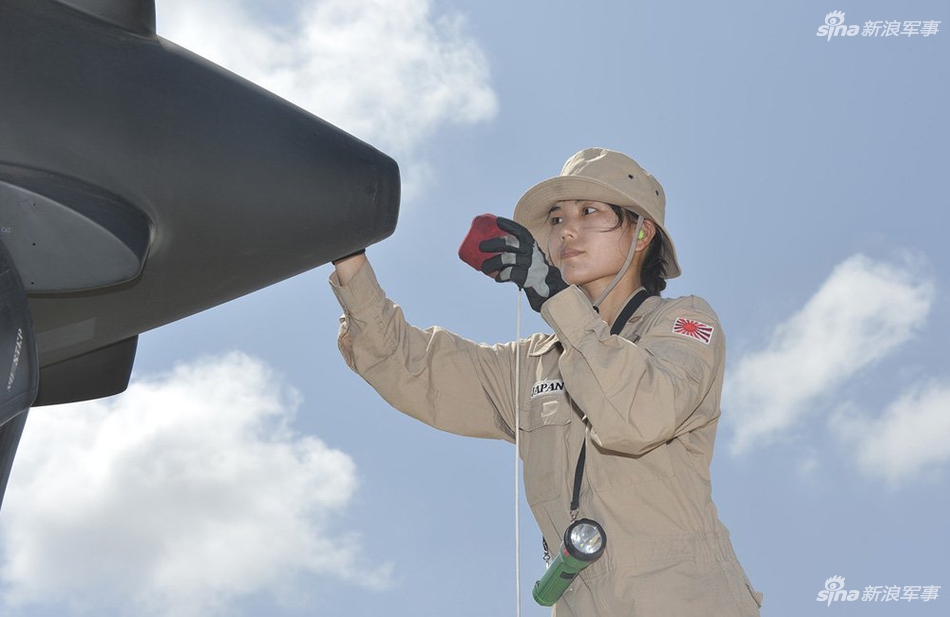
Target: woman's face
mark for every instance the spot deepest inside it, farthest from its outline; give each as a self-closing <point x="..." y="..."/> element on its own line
<point x="586" y="243"/>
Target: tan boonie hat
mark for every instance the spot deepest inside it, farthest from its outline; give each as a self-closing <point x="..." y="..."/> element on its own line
<point x="597" y="174"/>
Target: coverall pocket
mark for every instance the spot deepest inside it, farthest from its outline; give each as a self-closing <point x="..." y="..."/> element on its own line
<point x="612" y="470"/>
<point x="545" y="425"/>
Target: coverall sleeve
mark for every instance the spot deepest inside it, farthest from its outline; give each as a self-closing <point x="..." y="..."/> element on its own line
<point x="433" y="375"/>
<point x="639" y="395"/>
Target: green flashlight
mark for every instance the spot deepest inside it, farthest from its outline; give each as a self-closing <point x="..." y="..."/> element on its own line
<point x="584" y="543"/>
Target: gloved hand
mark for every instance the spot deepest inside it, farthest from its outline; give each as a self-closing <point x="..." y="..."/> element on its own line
<point x="484" y="226"/>
<point x="521" y="260"/>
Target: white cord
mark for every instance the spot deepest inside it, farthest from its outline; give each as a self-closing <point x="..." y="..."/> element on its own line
<point x="626" y="263"/>
<point x="518" y="460"/>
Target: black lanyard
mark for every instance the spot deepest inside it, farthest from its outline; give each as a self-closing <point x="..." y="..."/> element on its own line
<point x="617" y="326"/>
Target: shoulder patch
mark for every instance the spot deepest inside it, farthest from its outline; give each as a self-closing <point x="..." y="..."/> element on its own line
<point x="693" y="329"/>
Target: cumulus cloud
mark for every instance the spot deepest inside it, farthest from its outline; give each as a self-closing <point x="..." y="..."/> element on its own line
<point x="179" y="497"/>
<point x="860" y="314"/>
<point x="907" y="440"/>
<point x="387" y="71"/>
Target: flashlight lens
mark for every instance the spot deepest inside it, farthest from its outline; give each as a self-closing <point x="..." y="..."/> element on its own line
<point x="586" y="538"/>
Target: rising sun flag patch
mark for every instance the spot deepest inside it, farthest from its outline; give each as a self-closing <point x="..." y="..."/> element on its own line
<point x="693" y="329"/>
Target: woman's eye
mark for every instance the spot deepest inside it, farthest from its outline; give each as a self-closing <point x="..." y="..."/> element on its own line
<point x="555" y="220"/>
<point x="589" y="210"/>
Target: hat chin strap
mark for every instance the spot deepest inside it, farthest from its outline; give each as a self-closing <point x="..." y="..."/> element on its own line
<point x="626" y="264"/>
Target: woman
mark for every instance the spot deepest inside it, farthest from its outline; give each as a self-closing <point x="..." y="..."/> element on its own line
<point x="631" y="379"/>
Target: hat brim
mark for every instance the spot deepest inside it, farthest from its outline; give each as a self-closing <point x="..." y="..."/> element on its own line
<point x="533" y="208"/>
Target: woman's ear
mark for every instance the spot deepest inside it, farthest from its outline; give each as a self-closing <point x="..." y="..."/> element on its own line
<point x="646" y="235"/>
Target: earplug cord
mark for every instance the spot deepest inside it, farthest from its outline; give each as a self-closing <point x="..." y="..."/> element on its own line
<point x="517" y="390"/>
<point x="626" y="264"/>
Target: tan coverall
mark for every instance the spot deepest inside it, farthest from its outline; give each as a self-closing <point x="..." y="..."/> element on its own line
<point x="651" y="399"/>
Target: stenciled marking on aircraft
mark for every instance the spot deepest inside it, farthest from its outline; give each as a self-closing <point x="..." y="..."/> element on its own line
<point x="16" y="358"/>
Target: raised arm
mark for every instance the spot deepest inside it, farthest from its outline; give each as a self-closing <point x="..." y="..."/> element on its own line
<point x="432" y="375"/>
<point x="640" y="395"/>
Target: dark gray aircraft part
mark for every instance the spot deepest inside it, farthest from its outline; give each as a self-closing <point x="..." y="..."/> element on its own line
<point x="18" y="367"/>
<point x="140" y="184"/>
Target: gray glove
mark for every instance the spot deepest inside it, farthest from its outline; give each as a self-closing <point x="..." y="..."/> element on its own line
<point x="521" y="260"/>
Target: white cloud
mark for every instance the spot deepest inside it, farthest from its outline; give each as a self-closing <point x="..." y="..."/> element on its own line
<point x="387" y="71"/>
<point x="909" y="438"/>
<point x="179" y="497"/>
<point x="862" y="312"/>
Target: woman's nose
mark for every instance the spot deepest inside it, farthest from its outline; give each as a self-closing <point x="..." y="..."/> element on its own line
<point x="569" y="227"/>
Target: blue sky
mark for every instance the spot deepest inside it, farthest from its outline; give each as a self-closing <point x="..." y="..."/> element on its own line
<point x="247" y="471"/>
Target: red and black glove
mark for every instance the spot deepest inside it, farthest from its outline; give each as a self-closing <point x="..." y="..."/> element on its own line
<point x="506" y="251"/>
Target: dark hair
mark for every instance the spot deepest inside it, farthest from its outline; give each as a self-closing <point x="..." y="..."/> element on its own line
<point x="654" y="263"/>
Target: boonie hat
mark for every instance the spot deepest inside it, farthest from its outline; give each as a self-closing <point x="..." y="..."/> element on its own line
<point x="598" y="174"/>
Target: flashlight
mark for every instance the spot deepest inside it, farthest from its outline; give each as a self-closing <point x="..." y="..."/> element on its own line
<point x="584" y="543"/>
